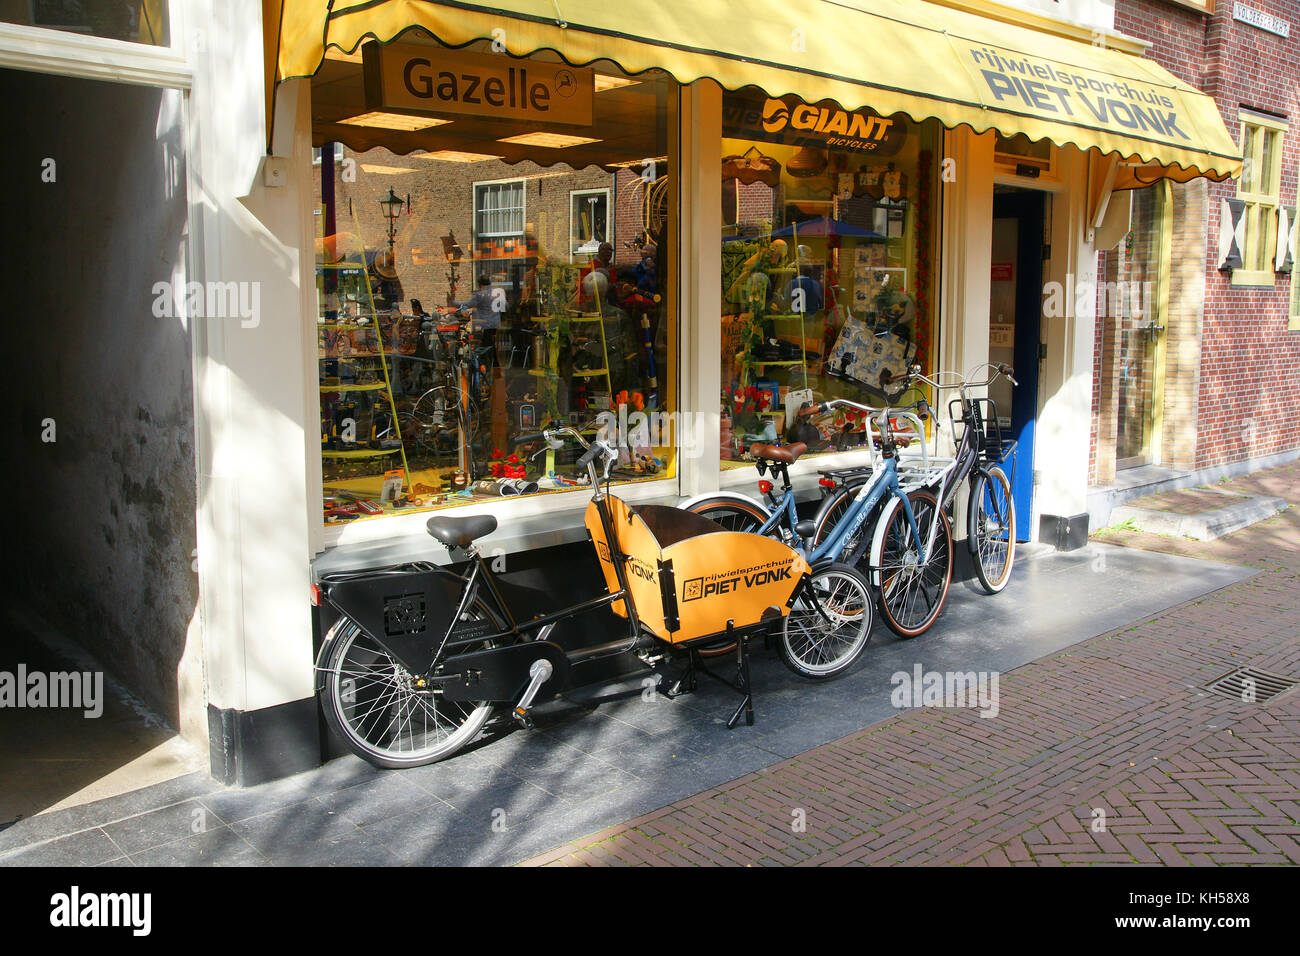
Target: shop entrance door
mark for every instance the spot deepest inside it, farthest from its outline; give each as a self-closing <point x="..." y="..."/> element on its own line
<point x="1015" y="322"/>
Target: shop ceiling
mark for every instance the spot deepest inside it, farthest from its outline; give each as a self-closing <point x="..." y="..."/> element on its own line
<point x="893" y="56"/>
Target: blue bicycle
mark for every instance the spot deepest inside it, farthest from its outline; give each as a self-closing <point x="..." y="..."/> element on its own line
<point x="891" y="527"/>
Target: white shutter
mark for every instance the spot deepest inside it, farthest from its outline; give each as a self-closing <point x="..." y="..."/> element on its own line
<point x="1286" y="239"/>
<point x="1232" y="233"/>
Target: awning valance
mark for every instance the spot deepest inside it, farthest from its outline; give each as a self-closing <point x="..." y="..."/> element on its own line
<point x="893" y="56"/>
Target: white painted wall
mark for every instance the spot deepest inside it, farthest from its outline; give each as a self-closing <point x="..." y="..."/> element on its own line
<point x="250" y="383"/>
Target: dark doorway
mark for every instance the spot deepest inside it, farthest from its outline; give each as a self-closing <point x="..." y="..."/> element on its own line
<point x="1015" y="325"/>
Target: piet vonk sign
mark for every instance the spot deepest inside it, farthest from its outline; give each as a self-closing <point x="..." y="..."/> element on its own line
<point x="1054" y="91"/>
<point x="410" y="77"/>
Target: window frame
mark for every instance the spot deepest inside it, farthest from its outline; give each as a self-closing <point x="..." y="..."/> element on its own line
<point x="64" y="53"/>
<point x="609" y="214"/>
<point x="1293" y="324"/>
<point x="1262" y="200"/>
<point x="523" y="207"/>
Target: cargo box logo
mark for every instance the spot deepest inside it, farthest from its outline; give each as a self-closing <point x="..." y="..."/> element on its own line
<point x="731" y="581"/>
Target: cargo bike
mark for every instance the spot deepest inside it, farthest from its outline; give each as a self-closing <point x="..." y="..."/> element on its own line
<point x="422" y="655"/>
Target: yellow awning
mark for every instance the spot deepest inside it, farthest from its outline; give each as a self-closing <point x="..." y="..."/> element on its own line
<point x="893" y="56"/>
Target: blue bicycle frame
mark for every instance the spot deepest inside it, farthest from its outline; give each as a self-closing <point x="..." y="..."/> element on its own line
<point x="883" y="481"/>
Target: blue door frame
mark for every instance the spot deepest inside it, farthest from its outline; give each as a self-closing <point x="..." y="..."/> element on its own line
<point x="1027" y="208"/>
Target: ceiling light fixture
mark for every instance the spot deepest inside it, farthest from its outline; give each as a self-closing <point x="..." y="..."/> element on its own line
<point x="397" y="121"/>
<point x="457" y="156"/>
<point x="606" y="82"/>
<point x="548" y="140"/>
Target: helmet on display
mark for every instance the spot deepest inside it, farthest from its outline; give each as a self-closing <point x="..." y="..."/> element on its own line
<point x="595" y="283"/>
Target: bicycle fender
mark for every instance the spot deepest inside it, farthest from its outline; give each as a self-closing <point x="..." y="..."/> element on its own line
<point x="878" y="538"/>
<point x="729" y="496"/>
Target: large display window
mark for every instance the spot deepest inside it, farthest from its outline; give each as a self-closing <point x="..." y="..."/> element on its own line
<point x="493" y="262"/>
<point x="828" y="265"/>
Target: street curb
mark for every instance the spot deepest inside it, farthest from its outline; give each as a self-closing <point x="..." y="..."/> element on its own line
<point x="1204" y="525"/>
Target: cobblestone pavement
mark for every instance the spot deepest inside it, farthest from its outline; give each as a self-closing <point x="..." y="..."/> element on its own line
<point x="1112" y="751"/>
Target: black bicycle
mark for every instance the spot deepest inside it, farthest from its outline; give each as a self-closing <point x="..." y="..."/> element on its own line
<point x="421" y="655"/>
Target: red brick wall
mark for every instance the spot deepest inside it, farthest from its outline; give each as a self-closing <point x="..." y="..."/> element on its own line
<point x="1249" y="391"/>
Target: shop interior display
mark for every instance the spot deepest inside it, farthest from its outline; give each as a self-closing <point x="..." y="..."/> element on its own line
<point x="483" y="275"/>
<point x="826" y="272"/>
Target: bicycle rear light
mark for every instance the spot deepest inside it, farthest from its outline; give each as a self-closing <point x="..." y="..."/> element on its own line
<point x="765" y="486"/>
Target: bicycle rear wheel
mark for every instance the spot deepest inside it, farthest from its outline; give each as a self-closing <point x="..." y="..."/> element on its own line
<point x="991" y="519"/>
<point x="822" y="637"/>
<point x="912" y="592"/>
<point x="381" y="711"/>
<point x="734" y="514"/>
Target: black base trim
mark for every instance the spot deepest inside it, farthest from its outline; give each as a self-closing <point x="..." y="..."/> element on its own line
<point x="1065" y="533"/>
<point x="248" y="747"/>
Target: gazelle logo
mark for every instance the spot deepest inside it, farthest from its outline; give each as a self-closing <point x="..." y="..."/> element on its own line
<point x="76" y="909"/>
<point x="946" y="689"/>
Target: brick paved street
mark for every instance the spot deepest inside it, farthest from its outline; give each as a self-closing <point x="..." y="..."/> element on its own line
<point x="1117" y="730"/>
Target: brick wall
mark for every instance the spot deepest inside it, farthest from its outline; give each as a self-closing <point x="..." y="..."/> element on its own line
<point x="442" y="202"/>
<point x="1247" y="386"/>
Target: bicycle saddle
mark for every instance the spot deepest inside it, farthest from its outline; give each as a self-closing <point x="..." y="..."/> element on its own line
<point x="459" y="532"/>
<point x="786" y="454"/>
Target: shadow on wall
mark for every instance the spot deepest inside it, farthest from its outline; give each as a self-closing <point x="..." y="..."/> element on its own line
<point x="100" y="476"/>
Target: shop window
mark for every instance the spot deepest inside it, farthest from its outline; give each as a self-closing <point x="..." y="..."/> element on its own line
<point x="828" y="265"/>
<point x="1259" y="190"/>
<point x="481" y="276"/>
<point x="588" y="221"/>
<point x="136" y="21"/>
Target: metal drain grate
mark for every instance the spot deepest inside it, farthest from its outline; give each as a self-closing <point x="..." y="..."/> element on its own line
<point x="1250" y="685"/>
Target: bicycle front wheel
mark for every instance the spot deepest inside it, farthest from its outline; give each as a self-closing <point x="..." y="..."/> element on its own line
<point x="381" y="711"/>
<point x="827" y="630"/>
<point x="991" y="520"/>
<point x="912" y="591"/>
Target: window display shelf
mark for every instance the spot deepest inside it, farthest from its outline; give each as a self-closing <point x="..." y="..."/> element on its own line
<point x="358" y="452"/>
<point x="368" y="387"/>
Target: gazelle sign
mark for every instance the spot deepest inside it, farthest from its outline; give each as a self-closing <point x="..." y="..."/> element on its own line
<point x="410" y="77"/>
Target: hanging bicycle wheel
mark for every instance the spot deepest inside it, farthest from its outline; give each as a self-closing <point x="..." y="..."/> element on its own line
<point x="912" y="591"/>
<point x="991" y="520"/>
<point x="825" y="633"/>
<point x="387" y="715"/>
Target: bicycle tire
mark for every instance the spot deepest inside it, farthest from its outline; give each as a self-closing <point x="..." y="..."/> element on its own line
<point x="356" y="712"/>
<point x="817" y="649"/>
<point x="991" y="526"/>
<point x="912" y="596"/>
<point x="733" y="514"/>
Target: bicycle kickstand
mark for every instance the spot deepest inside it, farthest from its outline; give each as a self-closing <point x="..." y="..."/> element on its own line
<point x="746" y="705"/>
